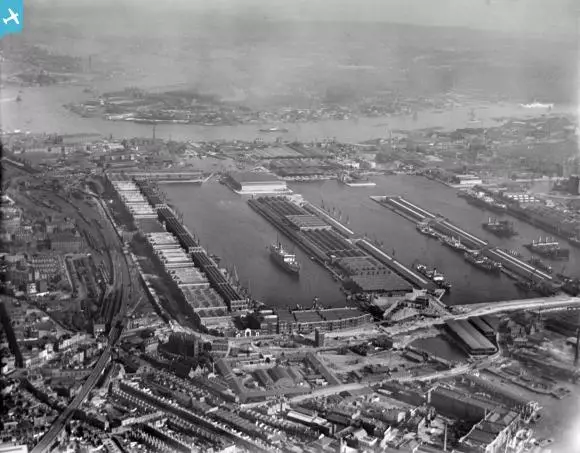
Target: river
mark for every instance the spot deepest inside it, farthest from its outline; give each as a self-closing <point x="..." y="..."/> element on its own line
<point x="42" y="110"/>
<point x="229" y="228"/>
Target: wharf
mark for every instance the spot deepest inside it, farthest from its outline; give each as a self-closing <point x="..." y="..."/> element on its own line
<point x="171" y="177"/>
<point x="442" y="226"/>
<point x="327" y="218"/>
<point x="315" y="253"/>
<point x="395" y="266"/>
<point x="331" y="244"/>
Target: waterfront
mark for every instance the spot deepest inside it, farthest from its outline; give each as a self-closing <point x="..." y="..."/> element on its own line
<point x="42" y="110"/>
<point x="229" y="228"/>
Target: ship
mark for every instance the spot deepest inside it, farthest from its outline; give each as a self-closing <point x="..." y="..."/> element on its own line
<point x="432" y="274"/>
<point x="454" y="243"/>
<point x="355" y="180"/>
<point x="539" y="264"/>
<point x="482" y="200"/>
<point x="274" y="129"/>
<point x="501" y="228"/>
<point x="284" y="259"/>
<point x="574" y="240"/>
<point x="425" y="229"/>
<point x="548" y="248"/>
<point x="483" y="262"/>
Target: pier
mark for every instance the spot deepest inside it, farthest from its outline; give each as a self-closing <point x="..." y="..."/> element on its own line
<point x="194" y="176"/>
<point x="512" y="266"/>
<point x="408" y="274"/>
<point x="353" y="261"/>
<point x="328" y="218"/>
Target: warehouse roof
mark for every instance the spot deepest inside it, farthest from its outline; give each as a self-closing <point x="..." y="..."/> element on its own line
<point x="248" y="177"/>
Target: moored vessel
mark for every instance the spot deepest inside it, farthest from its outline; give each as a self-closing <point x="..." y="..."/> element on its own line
<point x="433" y="275"/>
<point x="483" y="201"/>
<point x="483" y="262"/>
<point x="454" y="244"/>
<point x="425" y="229"/>
<point x="355" y="180"/>
<point x="548" y="248"/>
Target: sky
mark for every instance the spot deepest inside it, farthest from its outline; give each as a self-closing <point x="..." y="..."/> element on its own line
<point x="549" y="18"/>
<point x="544" y="17"/>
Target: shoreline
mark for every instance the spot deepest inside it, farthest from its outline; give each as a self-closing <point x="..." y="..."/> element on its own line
<point x="43" y="110"/>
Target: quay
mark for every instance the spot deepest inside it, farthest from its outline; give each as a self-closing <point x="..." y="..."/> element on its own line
<point x="325" y="216"/>
<point x="416" y="214"/>
<point x="355" y="262"/>
<point x="195" y="177"/>
<point x="417" y="279"/>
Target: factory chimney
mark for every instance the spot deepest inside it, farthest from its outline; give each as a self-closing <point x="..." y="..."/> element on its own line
<point x="445" y="439"/>
<point x="577" y="352"/>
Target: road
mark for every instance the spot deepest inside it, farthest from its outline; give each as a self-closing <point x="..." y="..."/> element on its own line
<point x="540" y="303"/>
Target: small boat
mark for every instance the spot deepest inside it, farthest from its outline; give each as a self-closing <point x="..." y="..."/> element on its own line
<point x="432" y="274"/>
<point x="454" y="244"/>
<point x="425" y="229"/>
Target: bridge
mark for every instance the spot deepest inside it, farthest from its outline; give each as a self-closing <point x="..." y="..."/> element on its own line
<point x="538" y="304"/>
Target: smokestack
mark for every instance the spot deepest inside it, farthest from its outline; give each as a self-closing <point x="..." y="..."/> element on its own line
<point x="445" y="439"/>
<point x="576" y="355"/>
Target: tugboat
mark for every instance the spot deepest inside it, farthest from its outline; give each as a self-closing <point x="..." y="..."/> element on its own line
<point x="284" y="259"/>
<point x="425" y="229"/>
<point x="548" y="248"/>
<point x="454" y="244"/>
<point x="501" y="228"/>
<point x="432" y="274"/>
<point x="538" y="263"/>
<point x="483" y="262"/>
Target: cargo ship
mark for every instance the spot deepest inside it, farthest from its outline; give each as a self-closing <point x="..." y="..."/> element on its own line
<point x="425" y="229"/>
<point x="432" y="274"/>
<point x="284" y="259"/>
<point x="483" y="262"/>
<point x="539" y="264"/>
<point x="482" y="200"/>
<point x="454" y="244"/>
<point x="354" y="180"/>
<point x="548" y="248"/>
<point x="501" y="228"/>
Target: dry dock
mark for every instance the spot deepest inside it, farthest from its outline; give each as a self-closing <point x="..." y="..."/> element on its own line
<point x="442" y="226"/>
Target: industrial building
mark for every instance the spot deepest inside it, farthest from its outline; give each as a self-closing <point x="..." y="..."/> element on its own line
<point x="459" y="405"/>
<point x="469" y="338"/>
<point x="493" y="433"/>
<point x="256" y="183"/>
<point x="204" y="288"/>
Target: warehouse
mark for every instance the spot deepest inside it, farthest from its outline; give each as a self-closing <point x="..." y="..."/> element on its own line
<point x="469" y="338"/>
<point x="256" y="183"/>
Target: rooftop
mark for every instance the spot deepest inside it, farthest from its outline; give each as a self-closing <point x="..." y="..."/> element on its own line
<point x="248" y="177"/>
